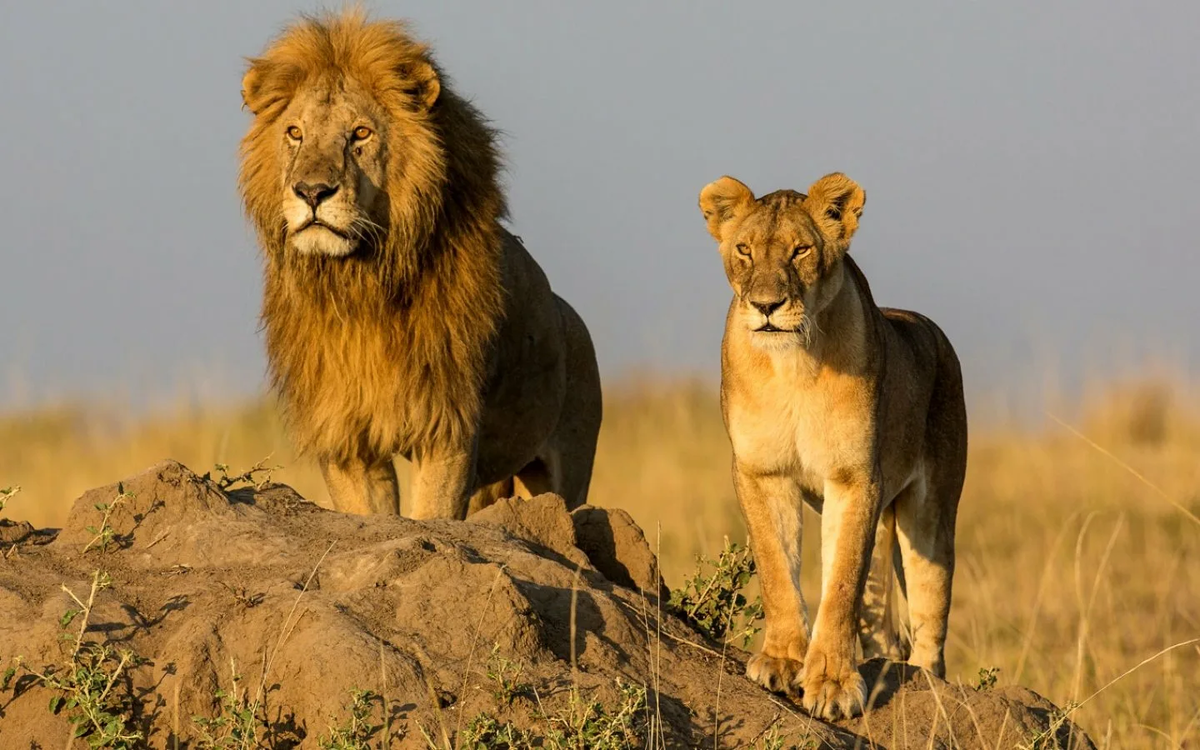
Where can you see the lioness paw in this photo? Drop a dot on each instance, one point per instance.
(833, 688)
(777, 674)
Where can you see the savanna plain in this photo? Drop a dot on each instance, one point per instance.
(1078, 569)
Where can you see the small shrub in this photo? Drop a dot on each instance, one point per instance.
(987, 678)
(235, 727)
(104, 533)
(589, 725)
(227, 482)
(714, 603)
(6, 494)
(84, 684)
(506, 676)
(484, 732)
(582, 725)
(358, 730)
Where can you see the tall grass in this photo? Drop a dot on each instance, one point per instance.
(1077, 555)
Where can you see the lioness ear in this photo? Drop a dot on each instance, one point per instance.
(425, 79)
(722, 201)
(835, 203)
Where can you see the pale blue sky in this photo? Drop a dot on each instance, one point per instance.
(1032, 171)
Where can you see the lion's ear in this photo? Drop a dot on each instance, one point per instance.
(252, 88)
(722, 201)
(425, 79)
(835, 203)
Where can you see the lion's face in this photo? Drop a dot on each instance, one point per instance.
(344, 155)
(334, 167)
(782, 253)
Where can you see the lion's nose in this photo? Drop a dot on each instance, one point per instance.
(313, 193)
(766, 308)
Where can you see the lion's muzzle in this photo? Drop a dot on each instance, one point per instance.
(314, 193)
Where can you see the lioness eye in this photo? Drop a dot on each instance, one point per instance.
(361, 133)
(294, 133)
(800, 251)
(743, 249)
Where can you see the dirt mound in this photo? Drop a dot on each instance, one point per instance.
(527, 612)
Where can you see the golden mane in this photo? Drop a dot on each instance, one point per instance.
(388, 348)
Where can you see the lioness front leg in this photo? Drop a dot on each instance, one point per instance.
(362, 487)
(442, 482)
(833, 688)
(772, 506)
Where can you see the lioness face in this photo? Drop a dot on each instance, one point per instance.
(782, 253)
(334, 164)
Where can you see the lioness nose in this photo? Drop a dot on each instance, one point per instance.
(314, 193)
(766, 308)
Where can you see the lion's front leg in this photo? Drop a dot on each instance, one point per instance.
(833, 688)
(362, 487)
(772, 506)
(442, 483)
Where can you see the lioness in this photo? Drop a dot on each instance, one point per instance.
(400, 316)
(857, 411)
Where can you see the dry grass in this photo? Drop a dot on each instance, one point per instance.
(1071, 568)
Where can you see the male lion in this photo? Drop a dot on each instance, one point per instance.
(857, 411)
(400, 316)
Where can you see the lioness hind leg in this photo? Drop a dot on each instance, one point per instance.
(926, 514)
(925, 527)
(877, 620)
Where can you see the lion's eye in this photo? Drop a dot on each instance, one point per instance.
(294, 133)
(800, 251)
(743, 249)
(362, 133)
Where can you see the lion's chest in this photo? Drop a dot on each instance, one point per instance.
(808, 428)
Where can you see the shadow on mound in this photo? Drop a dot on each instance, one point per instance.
(304, 605)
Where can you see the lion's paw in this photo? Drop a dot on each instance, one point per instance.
(777, 674)
(833, 688)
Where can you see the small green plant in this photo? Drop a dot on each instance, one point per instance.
(484, 732)
(582, 725)
(235, 727)
(358, 730)
(589, 725)
(8, 493)
(84, 684)
(987, 678)
(227, 482)
(714, 604)
(105, 533)
(506, 676)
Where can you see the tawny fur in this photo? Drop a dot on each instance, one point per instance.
(857, 411)
(402, 345)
